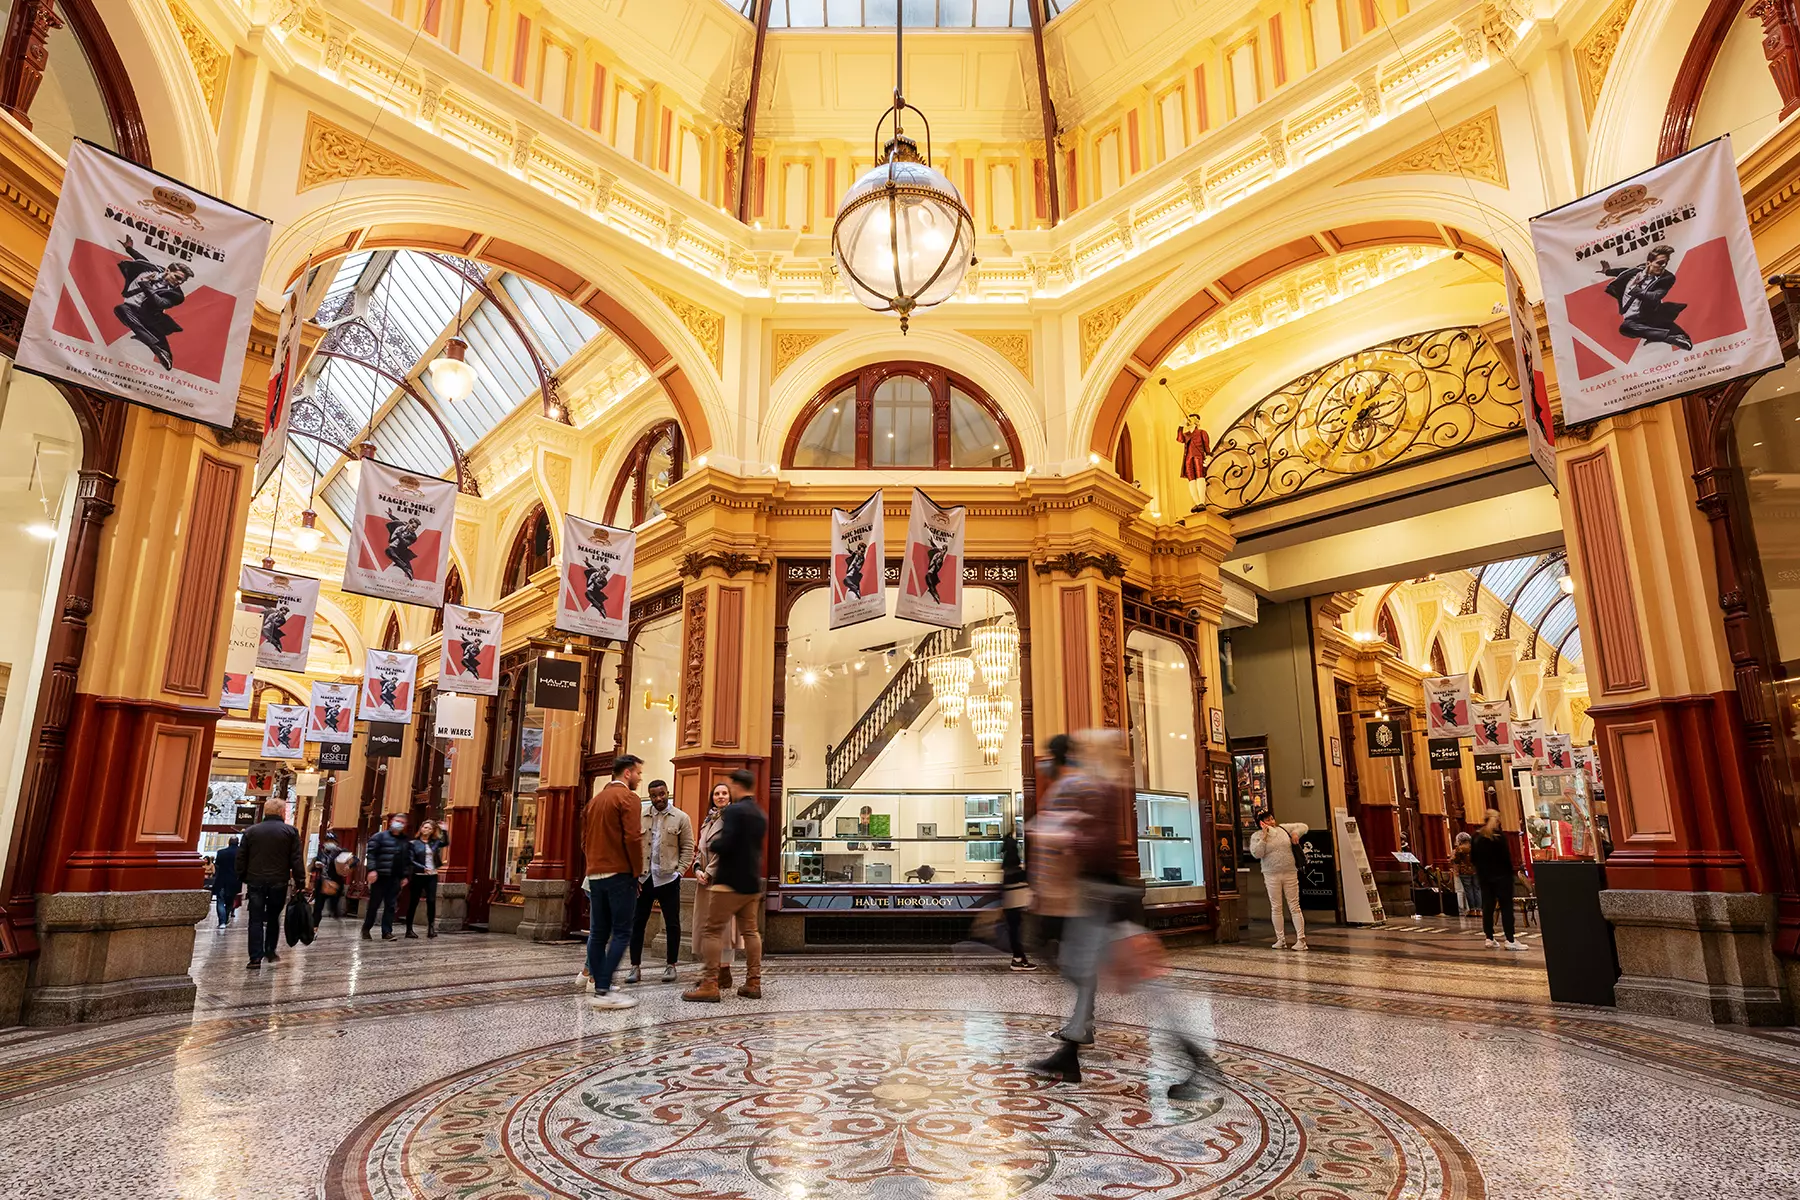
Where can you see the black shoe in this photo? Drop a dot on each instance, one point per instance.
(1190, 1090)
(431, 933)
(1065, 1064)
(367, 936)
(271, 957)
(253, 966)
(1681, 341)
(1023, 964)
(412, 935)
(387, 937)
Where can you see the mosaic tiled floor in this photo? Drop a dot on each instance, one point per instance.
(468, 1068)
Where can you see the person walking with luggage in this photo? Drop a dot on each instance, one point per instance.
(736, 887)
(706, 865)
(1276, 847)
(327, 881)
(1491, 852)
(387, 860)
(612, 840)
(1015, 895)
(668, 853)
(1464, 864)
(428, 846)
(225, 886)
(268, 856)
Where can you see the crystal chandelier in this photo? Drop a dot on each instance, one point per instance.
(950, 677)
(903, 237)
(996, 652)
(988, 717)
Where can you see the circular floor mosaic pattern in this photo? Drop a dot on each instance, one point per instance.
(901, 1106)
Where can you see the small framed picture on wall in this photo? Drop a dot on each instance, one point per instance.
(1218, 725)
(1337, 753)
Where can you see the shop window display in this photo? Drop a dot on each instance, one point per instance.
(653, 702)
(1165, 747)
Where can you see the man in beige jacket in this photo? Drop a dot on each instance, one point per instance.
(668, 854)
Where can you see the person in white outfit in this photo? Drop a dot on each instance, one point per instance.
(1275, 845)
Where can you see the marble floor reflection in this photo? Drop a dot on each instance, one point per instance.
(469, 1067)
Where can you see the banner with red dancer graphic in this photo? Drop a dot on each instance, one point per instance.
(1528, 742)
(284, 376)
(288, 603)
(146, 289)
(595, 596)
(240, 659)
(400, 535)
(470, 660)
(284, 730)
(1652, 287)
(1528, 370)
(858, 564)
(1559, 751)
(387, 687)
(332, 713)
(1492, 722)
(1447, 707)
(931, 572)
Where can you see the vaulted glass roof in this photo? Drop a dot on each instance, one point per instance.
(880, 14)
(1532, 589)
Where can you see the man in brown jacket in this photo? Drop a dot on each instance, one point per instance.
(612, 842)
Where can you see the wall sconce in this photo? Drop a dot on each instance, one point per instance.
(667, 702)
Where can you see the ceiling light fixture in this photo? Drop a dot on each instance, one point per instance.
(451, 375)
(996, 651)
(42, 531)
(989, 717)
(309, 536)
(903, 237)
(950, 677)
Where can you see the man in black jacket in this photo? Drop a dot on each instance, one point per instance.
(389, 860)
(736, 890)
(268, 855)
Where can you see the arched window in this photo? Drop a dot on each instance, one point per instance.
(656, 461)
(390, 636)
(1439, 665)
(530, 551)
(1122, 458)
(1386, 626)
(905, 414)
(453, 594)
(1479, 685)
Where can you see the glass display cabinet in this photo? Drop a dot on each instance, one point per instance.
(1168, 824)
(894, 838)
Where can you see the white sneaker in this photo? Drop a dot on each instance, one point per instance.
(669, 973)
(584, 980)
(634, 975)
(613, 1000)
(1514, 945)
(1301, 945)
(1488, 942)
(1278, 944)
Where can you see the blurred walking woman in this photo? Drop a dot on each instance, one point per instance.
(706, 864)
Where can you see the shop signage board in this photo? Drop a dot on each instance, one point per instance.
(1445, 753)
(1652, 287)
(387, 739)
(248, 814)
(846, 900)
(284, 729)
(288, 604)
(1491, 721)
(1528, 742)
(400, 535)
(284, 374)
(1559, 751)
(858, 564)
(469, 662)
(333, 713)
(334, 756)
(931, 572)
(387, 688)
(1447, 706)
(1386, 739)
(240, 659)
(1528, 370)
(1362, 900)
(1318, 871)
(1490, 767)
(595, 596)
(455, 716)
(558, 684)
(146, 289)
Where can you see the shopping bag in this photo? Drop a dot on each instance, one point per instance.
(298, 922)
(1132, 958)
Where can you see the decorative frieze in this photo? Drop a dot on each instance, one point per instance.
(1470, 148)
(332, 154)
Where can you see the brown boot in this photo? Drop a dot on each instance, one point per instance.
(724, 977)
(752, 989)
(704, 991)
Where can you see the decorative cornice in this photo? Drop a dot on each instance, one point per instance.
(790, 344)
(1471, 148)
(330, 153)
(1594, 52)
(707, 326)
(1074, 562)
(1097, 324)
(694, 563)
(1014, 345)
(212, 61)
(244, 430)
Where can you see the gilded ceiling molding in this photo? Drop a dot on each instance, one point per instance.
(1097, 324)
(707, 326)
(330, 154)
(1594, 52)
(212, 61)
(1470, 148)
(1195, 398)
(1014, 345)
(790, 344)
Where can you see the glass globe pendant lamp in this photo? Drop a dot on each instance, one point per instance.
(309, 536)
(903, 238)
(452, 378)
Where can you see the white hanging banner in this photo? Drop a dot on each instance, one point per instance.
(595, 596)
(400, 538)
(1585, 759)
(1652, 287)
(289, 603)
(332, 713)
(470, 659)
(284, 376)
(1528, 370)
(146, 289)
(1528, 742)
(455, 716)
(1559, 751)
(858, 589)
(1447, 707)
(1492, 723)
(284, 730)
(931, 572)
(387, 687)
(240, 659)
